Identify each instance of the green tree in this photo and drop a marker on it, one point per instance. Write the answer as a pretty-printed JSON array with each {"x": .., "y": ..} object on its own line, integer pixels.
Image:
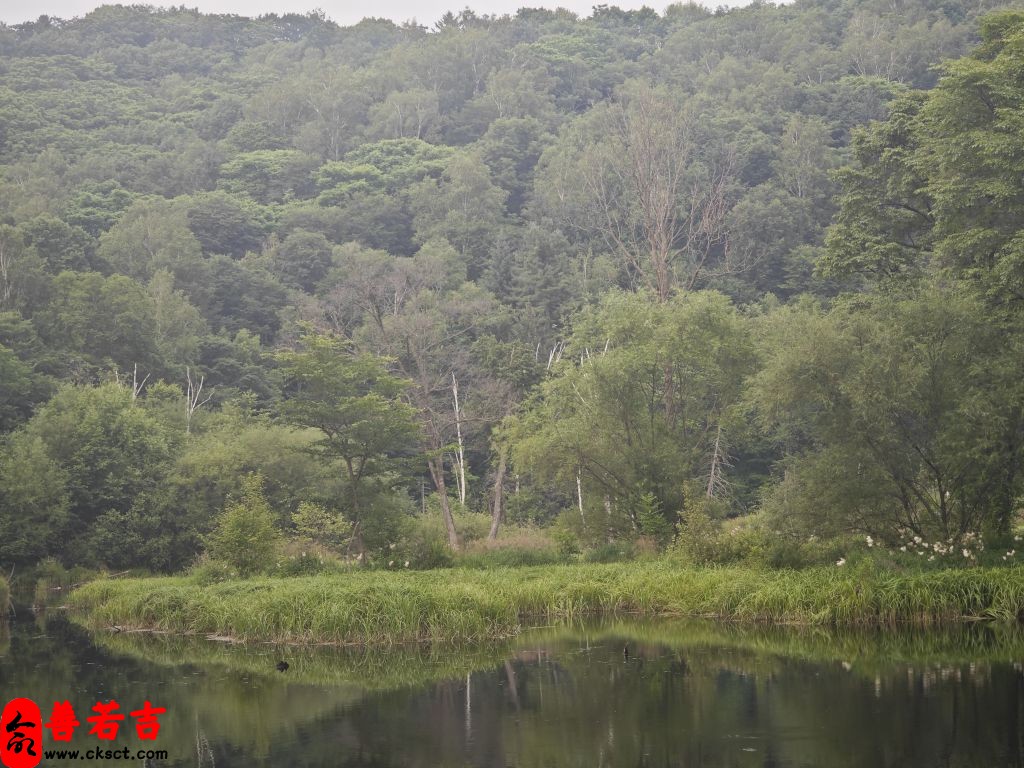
[
  {"x": 639, "y": 406},
  {"x": 245, "y": 536},
  {"x": 108, "y": 452},
  {"x": 896, "y": 413},
  {"x": 356, "y": 405},
  {"x": 302, "y": 259},
  {"x": 34, "y": 502},
  {"x": 100, "y": 321}
]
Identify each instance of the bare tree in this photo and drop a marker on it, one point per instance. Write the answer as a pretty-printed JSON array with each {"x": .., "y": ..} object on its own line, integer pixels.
[
  {"x": 194, "y": 399},
  {"x": 717, "y": 485},
  {"x": 136, "y": 384},
  {"x": 655, "y": 190}
]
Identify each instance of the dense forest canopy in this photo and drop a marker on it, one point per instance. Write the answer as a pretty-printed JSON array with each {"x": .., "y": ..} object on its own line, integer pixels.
[{"x": 387, "y": 288}]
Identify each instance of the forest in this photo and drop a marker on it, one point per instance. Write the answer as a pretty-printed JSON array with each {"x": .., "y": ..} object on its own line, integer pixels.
[{"x": 741, "y": 286}]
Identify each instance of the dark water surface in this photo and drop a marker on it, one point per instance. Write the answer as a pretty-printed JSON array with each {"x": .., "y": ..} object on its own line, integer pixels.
[{"x": 617, "y": 694}]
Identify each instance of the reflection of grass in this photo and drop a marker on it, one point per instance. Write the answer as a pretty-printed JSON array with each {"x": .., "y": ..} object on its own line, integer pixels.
[
  {"x": 864, "y": 649},
  {"x": 362, "y": 667},
  {"x": 387, "y": 668},
  {"x": 465, "y": 605}
]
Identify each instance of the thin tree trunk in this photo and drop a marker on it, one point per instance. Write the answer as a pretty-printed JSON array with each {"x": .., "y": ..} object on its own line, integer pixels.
[
  {"x": 436, "y": 466},
  {"x": 579, "y": 499},
  {"x": 497, "y": 508},
  {"x": 715, "y": 476},
  {"x": 460, "y": 456},
  {"x": 608, "y": 516}
]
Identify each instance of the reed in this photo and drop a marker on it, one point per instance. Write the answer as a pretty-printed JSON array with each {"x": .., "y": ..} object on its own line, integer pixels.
[{"x": 466, "y": 605}]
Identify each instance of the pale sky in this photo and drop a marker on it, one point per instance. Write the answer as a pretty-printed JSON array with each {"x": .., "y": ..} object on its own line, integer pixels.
[{"x": 343, "y": 12}]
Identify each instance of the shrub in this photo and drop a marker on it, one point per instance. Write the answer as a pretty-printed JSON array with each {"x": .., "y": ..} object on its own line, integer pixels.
[
  {"x": 207, "y": 571},
  {"x": 298, "y": 558},
  {"x": 423, "y": 544},
  {"x": 245, "y": 537},
  {"x": 652, "y": 521}
]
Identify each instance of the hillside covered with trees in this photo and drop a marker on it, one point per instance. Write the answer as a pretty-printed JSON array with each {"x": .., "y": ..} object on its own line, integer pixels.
[{"x": 732, "y": 282}]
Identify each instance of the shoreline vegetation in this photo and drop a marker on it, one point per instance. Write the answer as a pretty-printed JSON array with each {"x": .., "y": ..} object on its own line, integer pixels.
[{"x": 381, "y": 608}]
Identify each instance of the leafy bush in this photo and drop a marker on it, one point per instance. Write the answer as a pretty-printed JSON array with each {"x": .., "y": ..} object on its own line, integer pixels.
[
  {"x": 245, "y": 537},
  {"x": 318, "y": 524},
  {"x": 423, "y": 544},
  {"x": 207, "y": 571},
  {"x": 304, "y": 559}
]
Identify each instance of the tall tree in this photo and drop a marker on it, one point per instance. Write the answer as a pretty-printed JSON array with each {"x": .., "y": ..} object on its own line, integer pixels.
[{"x": 357, "y": 407}]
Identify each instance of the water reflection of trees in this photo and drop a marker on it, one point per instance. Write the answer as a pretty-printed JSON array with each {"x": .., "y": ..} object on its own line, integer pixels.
[{"x": 689, "y": 694}]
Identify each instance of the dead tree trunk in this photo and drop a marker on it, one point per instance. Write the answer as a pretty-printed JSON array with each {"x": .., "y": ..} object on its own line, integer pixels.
[
  {"x": 579, "y": 498},
  {"x": 460, "y": 455},
  {"x": 193, "y": 398},
  {"x": 717, "y": 484}
]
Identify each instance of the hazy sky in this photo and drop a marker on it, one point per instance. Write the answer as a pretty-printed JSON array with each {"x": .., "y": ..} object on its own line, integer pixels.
[{"x": 342, "y": 11}]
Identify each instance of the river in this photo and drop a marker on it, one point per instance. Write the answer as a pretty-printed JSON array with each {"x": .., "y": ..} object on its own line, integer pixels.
[{"x": 614, "y": 693}]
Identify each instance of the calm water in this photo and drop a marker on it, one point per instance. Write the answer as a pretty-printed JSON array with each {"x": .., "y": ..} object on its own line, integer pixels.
[{"x": 620, "y": 694}]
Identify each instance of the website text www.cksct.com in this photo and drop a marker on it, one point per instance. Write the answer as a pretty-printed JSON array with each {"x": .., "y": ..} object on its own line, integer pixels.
[{"x": 100, "y": 753}]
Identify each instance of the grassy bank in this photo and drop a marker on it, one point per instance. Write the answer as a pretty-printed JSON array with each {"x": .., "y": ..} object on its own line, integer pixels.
[{"x": 465, "y": 605}]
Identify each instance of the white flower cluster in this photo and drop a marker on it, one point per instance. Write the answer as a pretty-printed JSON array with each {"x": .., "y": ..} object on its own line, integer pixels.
[{"x": 970, "y": 546}]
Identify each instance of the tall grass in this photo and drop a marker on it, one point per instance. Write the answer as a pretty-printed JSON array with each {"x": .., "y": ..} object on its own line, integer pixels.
[
  {"x": 471, "y": 605},
  {"x": 5, "y": 598}
]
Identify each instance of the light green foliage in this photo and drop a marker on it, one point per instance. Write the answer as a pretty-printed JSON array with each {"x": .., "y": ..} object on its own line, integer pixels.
[
  {"x": 635, "y": 409},
  {"x": 92, "y": 455},
  {"x": 228, "y": 446},
  {"x": 321, "y": 525},
  {"x": 379, "y": 607},
  {"x": 224, "y": 224},
  {"x": 21, "y": 388},
  {"x": 465, "y": 208},
  {"x": 24, "y": 283},
  {"x": 60, "y": 245},
  {"x": 269, "y": 176},
  {"x": 302, "y": 259},
  {"x": 154, "y": 235},
  {"x": 245, "y": 537}
]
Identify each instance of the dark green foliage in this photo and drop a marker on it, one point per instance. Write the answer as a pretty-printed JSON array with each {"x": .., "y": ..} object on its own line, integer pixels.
[{"x": 225, "y": 225}]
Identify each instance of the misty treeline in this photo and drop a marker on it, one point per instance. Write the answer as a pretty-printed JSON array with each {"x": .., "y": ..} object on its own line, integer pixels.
[{"x": 616, "y": 278}]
